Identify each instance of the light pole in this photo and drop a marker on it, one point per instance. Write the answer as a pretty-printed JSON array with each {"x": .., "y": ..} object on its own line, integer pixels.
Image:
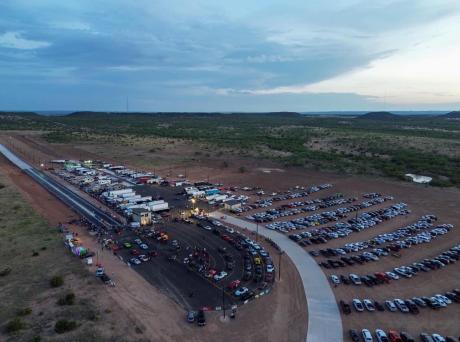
[
  {"x": 223, "y": 300},
  {"x": 279, "y": 264}
]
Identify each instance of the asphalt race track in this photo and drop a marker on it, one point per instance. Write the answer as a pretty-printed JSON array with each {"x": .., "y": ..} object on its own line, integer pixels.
[{"x": 80, "y": 205}]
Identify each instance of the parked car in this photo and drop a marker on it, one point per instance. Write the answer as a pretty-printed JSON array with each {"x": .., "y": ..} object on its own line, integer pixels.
[
  {"x": 354, "y": 335},
  {"x": 406, "y": 337},
  {"x": 381, "y": 335},
  {"x": 358, "y": 305},
  {"x": 401, "y": 305},
  {"x": 391, "y": 306},
  {"x": 345, "y": 307},
  {"x": 368, "y": 305},
  {"x": 367, "y": 336},
  {"x": 335, "y": 280},
  {"x": 426, "y": 338},
  {"x": 393, "y": 336},
  {"x": 355, "y": 279},
  {"x": 219, "y": 276},
  {"x": 438, "y": 338},
  {"x": 240, "y": 291},
  {"x": 99, "y": 271},
  {"x": 135, "y": 261},
  {"x": 201, "y": 318},
  {"x": 143, "y": 258},
  {"x": 191, "y": 316}
]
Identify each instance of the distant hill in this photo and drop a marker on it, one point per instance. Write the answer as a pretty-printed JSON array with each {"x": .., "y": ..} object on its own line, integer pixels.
[
  {"x": 84, "y": 114},
  {"x": 378, "y": 116},
  {"x": 451, "y": 115},
  {"x": 18, "y": 114}
]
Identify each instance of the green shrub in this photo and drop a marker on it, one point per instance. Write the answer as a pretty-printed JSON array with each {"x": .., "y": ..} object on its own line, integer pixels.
[
  {"x": 64, "y": 325},
  {"x": 68, "y": 299},
  {"x": 24, "y": 312},
  {"x": 14, "y": 325},
  {"x": 57, "y": 281},
  {"x": 5, "y": 271}
]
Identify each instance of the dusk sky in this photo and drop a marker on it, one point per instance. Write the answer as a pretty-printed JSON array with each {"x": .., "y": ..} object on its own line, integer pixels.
[{"x": 202, "y": 55}]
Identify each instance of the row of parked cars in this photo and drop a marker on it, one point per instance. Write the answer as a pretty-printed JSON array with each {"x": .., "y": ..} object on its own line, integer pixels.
[
  {"x": 376, "y": 253},
  {"x": 395, "y": 336},
  {"x": 362, "y": 221},
  {"x": 324, "y": 217},
  {"x": 447, "y": 257},
  {"x": 424, "y": 223},
  {"x": 297, "y": 194},
  {"x": 412, "y": 305},
  {"x": 298, "y": 207}
]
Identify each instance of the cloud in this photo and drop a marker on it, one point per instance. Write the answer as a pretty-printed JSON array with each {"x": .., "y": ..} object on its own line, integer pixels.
[
  {"x": 14, "y": 40},
  {"x": 422, "y": 73},
  {"x": 203, "y": 52}
]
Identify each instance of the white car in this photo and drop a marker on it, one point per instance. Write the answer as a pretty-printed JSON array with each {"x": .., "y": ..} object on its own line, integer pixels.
[
  {"x": 229, "y": 230},
  {"x": 381, "y": 336},
  {"x": 207, "y": 227},
  {"x": 143, "y": 258},
  {"x": 143, "y": 246},
  {"x": 270, "y": 268},
  {"x": 138, "y": 241},
  {"x": 391, "y": 306},
  {"x": 369, "y": 305},
  {"x": 392, "y": 275},
  {"x": 135, "y": 261},
  {"x": 367, "y": 337},
  {"x": 241, "y": 291},
  {"x": 355, "y": 279},
  {"x": 335, "y": 279},
  {"x": 219, "y": 276},
  {"x": 442, "y": 298},
  {"x": 358, "y": 305},
  {"x": 438, "y": 338}
]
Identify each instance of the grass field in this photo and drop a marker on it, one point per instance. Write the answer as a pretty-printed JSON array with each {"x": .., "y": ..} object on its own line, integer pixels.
[
  {"x": 31, "y": 254},
  {"x": 391, "y": 148}
]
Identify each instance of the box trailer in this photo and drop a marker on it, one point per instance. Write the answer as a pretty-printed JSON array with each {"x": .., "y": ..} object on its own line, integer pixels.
[
  {"x": 115, "y": 193},
  {"x": 210, "y": 192},
  {"x": 159, "y": 207}
]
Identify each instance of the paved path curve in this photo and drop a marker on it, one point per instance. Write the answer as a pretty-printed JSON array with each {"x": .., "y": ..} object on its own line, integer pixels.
[{"x": 324, "y": 322}]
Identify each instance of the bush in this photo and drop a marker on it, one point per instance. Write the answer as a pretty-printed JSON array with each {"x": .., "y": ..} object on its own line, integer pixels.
[
  {"x": 69, "y": 299},
  {"x": 64, "y": 325},
  {"x": 14, "y": 325},
  {"x": 57, "y": 281},
  {"x": 24, "y": 312},
  {"x": 5, "y": 271}
]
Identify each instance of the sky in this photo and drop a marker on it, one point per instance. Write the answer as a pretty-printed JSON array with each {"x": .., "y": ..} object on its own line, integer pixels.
[{"x": 203, "y": 55}]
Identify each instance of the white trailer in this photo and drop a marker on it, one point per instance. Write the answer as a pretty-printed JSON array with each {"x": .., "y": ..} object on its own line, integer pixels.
[
  {"x": 115, "y": 193},
  {"x": 159, "y": 206},
  {"x": 220, "y": 198}
]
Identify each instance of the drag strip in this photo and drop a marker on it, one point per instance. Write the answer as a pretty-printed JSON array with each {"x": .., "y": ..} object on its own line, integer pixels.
[{"x": 80, "y": 205}]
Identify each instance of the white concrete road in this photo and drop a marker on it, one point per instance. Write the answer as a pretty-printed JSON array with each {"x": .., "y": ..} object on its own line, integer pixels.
[{"x": 324, "y": 322}]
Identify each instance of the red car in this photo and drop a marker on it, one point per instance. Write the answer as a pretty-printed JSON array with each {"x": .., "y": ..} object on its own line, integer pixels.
[
  {"x": 134, "y": 252},
  {"x": 233, "y": 285},
  {"x": 393, "y": 336}
]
